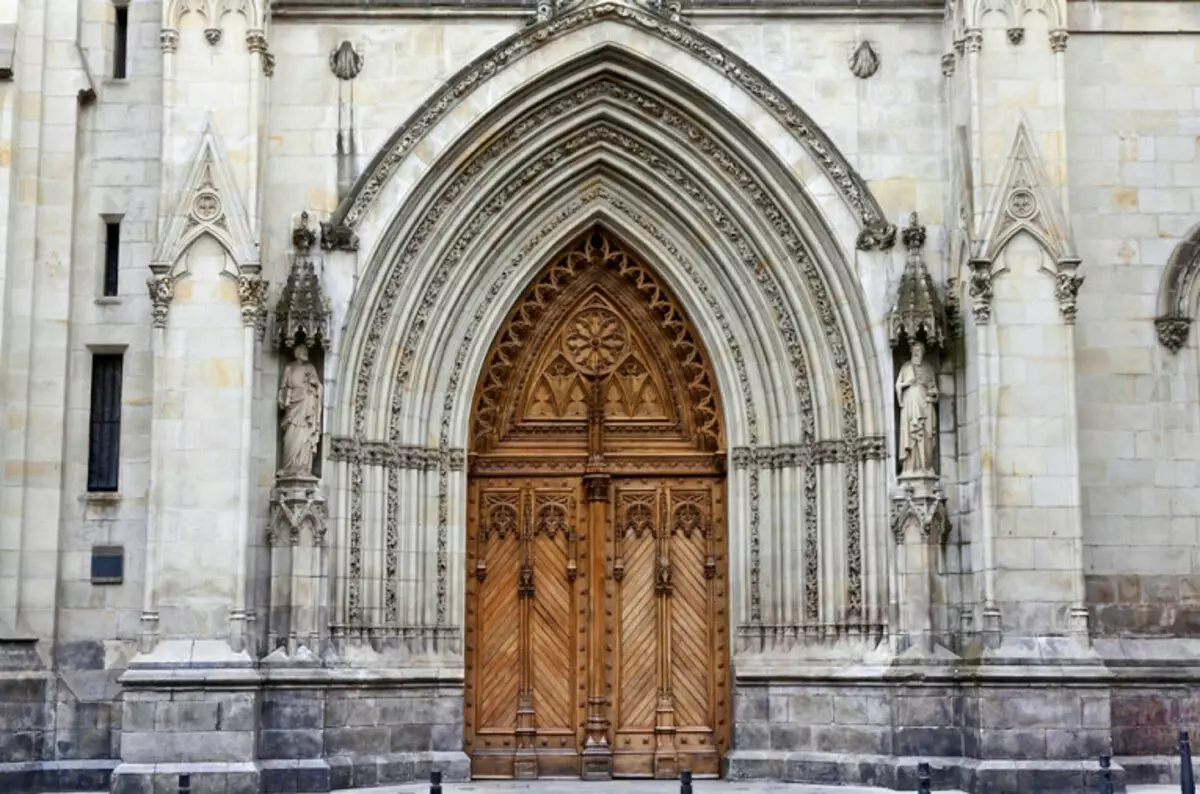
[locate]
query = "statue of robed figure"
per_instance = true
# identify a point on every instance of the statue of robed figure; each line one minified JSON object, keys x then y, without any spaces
{"x":917,"y":394}
{"x":300,"y":399}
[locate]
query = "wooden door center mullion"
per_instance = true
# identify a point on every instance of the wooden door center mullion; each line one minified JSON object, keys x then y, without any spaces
{"x":525,"y":757}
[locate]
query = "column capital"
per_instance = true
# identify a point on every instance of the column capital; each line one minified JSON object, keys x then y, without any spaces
{"x":1058,"y":40}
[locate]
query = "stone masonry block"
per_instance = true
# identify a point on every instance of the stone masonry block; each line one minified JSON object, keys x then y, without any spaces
{"x":811,"y":708}
{"x":175,"y":716}
{"x":289,"y":712}
{"x":412,"y":738}
{"x":751,"y":705}
{"x":357,"y":741}
{"x":862,"y":710}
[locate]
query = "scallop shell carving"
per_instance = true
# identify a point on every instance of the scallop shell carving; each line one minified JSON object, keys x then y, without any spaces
{"x":345,"y":61}
{"x":864,"y":61}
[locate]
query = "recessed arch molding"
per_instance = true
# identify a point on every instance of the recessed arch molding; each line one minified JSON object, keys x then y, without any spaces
{"x":876,"y":233}
{"x":750,"y":260}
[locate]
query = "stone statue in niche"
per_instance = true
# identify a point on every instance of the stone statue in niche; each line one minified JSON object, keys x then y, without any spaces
{"x":300,"y":398}
{"x":917,"y":393}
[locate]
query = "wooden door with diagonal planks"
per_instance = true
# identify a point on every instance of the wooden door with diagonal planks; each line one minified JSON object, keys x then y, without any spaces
{"x":667,"y":599}
{"x":524,"y":542}
{"x":597,"y":640}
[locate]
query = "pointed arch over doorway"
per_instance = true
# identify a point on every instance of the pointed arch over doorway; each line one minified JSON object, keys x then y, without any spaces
{"x":597,"y":636}
{"x":732,"y":232}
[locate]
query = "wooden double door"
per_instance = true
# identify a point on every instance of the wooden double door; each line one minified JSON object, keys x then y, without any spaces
{"x":596,"y":627}
{"x":597,"y":640}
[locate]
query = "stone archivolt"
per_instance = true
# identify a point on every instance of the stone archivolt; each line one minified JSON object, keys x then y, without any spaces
{"x":548,"y":140}
{"x":561,"y":19}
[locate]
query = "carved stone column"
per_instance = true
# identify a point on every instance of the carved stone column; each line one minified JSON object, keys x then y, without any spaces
{"x":252,"y":292}
{"x":980,"y":291}
{"x":161,"y":286}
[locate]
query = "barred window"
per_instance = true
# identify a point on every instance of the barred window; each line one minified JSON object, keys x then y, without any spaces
{"x":104,"y":442}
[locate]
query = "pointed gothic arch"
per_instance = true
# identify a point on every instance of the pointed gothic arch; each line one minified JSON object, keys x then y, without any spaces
{"x":732,"y":231}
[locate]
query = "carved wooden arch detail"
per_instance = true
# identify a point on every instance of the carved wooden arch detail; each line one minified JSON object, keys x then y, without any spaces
{"x":597,"y":315}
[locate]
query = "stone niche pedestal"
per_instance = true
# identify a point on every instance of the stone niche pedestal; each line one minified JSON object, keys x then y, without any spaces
{"x":296,"y":537}
{"x":920,"y":526}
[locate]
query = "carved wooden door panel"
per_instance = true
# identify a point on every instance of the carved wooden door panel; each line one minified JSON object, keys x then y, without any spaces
{"x":525,"y":647}
{"x":667,"y":601}
{"x":596,"y":626}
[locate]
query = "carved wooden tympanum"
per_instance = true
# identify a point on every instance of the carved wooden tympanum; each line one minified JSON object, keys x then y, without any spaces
{"x":596,"y":604}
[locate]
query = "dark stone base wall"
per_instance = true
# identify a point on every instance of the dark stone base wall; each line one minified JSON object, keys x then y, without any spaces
{"x":977,"y":737}
{"x":328,"y":739}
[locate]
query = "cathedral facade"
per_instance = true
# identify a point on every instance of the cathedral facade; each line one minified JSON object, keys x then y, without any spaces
{"x":598,"y":389}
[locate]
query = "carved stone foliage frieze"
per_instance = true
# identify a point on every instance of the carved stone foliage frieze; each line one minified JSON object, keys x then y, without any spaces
{"x":648,"y":17}
{"x":303,"y":312}
{"x":406,"y":457}
{"x":819,"y":453}
{"x":1177,"y":292}
{"x":671,"y":10}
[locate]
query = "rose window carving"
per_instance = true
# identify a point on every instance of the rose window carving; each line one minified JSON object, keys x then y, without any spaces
{"x":595,"y":340}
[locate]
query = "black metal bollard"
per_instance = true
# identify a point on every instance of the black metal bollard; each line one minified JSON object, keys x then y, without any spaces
{"x":685,"y":782}
{"x":435,"y":782}
{"x":1187,"y":781}
{"x":185,"y":784}
{"x":1105,"y":775}
{"x":923,"y":782}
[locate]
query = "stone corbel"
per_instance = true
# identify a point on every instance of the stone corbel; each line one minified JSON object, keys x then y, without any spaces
{"x":162,"y":292}
{"x":168,"y":40}
{"x":338,"y":237}
{"x":1016,"y":36}
{"x":980,"y":290}
{"x":1172,"y":331}
{"x":1067,"y":282}
{"x":876,"y":235}
{"x":1058,"y":40}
